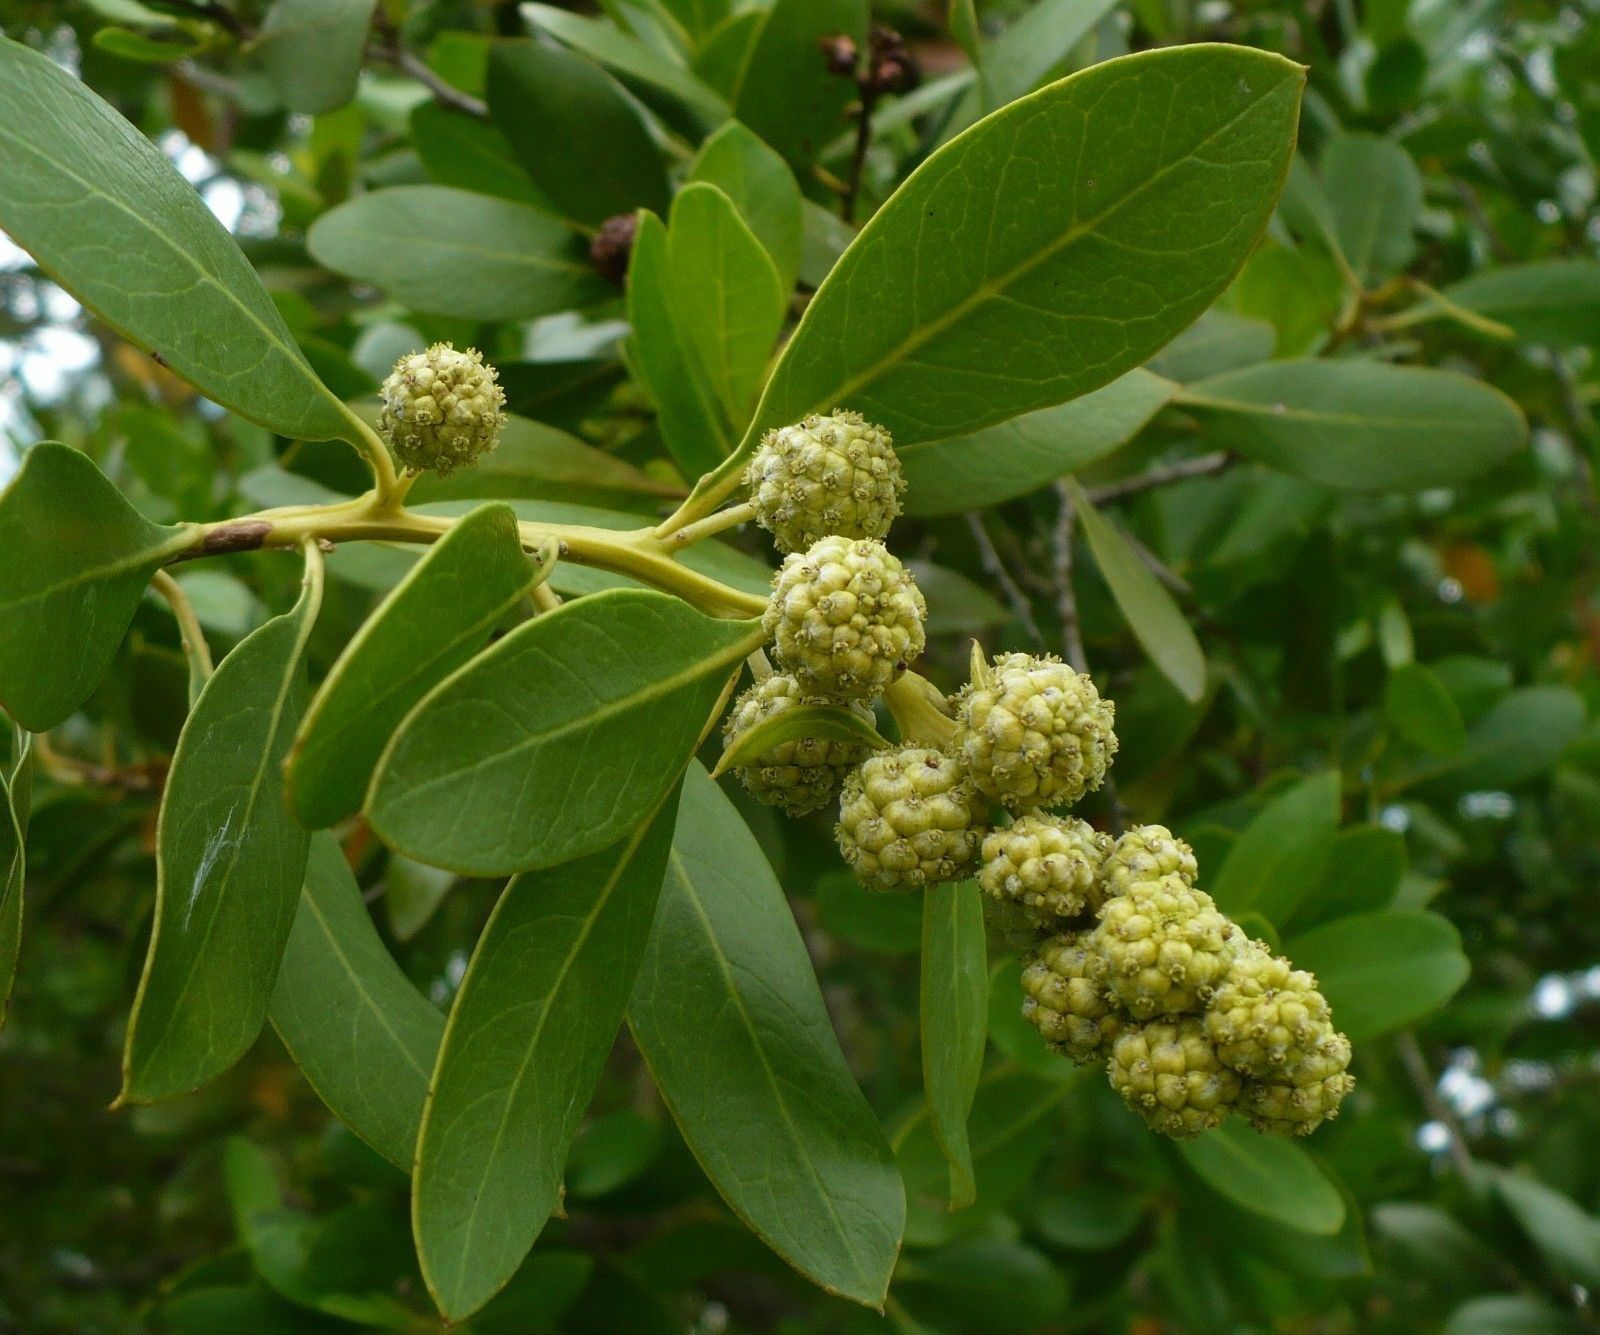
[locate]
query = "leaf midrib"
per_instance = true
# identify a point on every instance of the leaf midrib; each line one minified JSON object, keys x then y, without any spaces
{"x":145,"y":558}
{"x":1323,"y":417}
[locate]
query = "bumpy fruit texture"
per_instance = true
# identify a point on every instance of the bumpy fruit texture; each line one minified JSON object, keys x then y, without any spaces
{"x":441,"y":409}
{"x":1146,"y":853}
{"x":1064,"y":996}
{"x":834,"y":475}
{"x":1169,"y":1073}
{"x":1267,"y":1016}
{"x":1166,"y":947}
{"x":800,"y":775}
{"x":845,"y":617}
{"x":1046,"y":864}
{"x":908,"y":820}
{"x":1305,"y":1096}
{"x":1036,"y":734}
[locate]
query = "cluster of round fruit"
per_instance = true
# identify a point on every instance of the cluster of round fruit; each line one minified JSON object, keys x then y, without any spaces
{"x":1138,"y":969}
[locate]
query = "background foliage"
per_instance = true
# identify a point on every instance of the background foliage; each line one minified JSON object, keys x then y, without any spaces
{"x":1351,"y":633}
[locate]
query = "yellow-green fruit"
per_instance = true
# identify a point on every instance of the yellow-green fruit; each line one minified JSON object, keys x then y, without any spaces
{"x":1036,"y":733}
{"x":1165,"y":946}
{"x":1266,"y":1016}
{"x":845,"y":617}
{"x":1146,"y":853}
{"x":799,"y":775}
{"x":441,"y":409}
{"x":827,"y":475}
{"x":1047,"y":864}
{"x":1169,"y":1073}
{"x":1297,"y":1103}
{"x":908,"y":819}
{"x":1064,"y":997}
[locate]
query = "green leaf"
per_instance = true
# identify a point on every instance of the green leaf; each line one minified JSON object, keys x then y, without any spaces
{"x":469,"y":781}
{"x":312,"y":51}
{"x":1511,"y":1314}
{"x":230,"y":862}
{"x":1278,"y":858}
{"x":939,"y":320}
{"x":827,"y":723}
{"x":1218,"y":341}
{"x":15,"y":791}
{"x":1035,"y":45}
{"x":74,"y":561}
{"x":1374,"y":195}
{"x":762,"y":189}
{"x":1364,"y":870}
{"x":412,"y":893}
{"x":448,"y":252}
{"x":174,"y":45}
{"x":888,"y":923}
{"x":1015,"y":457}
{"x":955,"y":1021}
{"x":430,"y":624}
{"x":1380,"y":971}
{"x":782,"y":90}
{"x":525,"y":1044}
{"x":1267,"y":1176}
{"x":1155,"y":619}
{"x":727,"y":298}
{"x":660,"y":357}
{"x":81,"y":190}
{"x":1518,"y":740}
{"x":470,"y":154}
{"x":357,"y":1028}
{"x":973,"y":1280}
{"x":546,"y":100}
{"x":731,"y":1022}
{"x":1568,"y":1237}
{"x":1420,"y":709}
{"x":1548,"y":301}
{"x":1359,"y":424}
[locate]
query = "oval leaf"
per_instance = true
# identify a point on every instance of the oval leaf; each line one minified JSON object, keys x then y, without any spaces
{"x":527,"y":1039}
{"x":990,"y":254}
{"x":1548,"y":301}
{"x":729,"y":1017}
{"x":826,"y":723}
{"x":312,"y":51}
{"x":74,"y":561}
{"x":448,"y":252}
{"x":955,"y":1021}
{"x":81,"y":190}
{"x":1380,"y":971}
{"x":1374,"y":195}
{"x":230,"y":862}
{"x":432,"y":622}
{"x":1155,"y":619}
{"x":1364,"y":425}
{"x":1422,"y":711}
{"x":560,"y":739}
{"x":762,"y":189}
{"x":1267,"y":1176}
{"x":357,"y":1028}
{"x":1278,"y":858}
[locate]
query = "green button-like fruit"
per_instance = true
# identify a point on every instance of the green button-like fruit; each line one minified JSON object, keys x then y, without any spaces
{"x":845,"y":617}
{"x":1168,"y":1072}
{"x":800,"y":775}
{"x":825,"y":476}
{"x":1064,"y":996}
{"x":1046,"y":864}
{"x":441,"y":409}
{"x":1306,"y":1096}
{"x":1166,"y":947}
{"x":1266,"y":1016}
{"x":1146,"y":853}
{"x":908,"y":819}
{"x":1036,"y":734}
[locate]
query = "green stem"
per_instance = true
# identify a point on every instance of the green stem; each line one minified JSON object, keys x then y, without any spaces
{"x":919,"y":711}
{"x":196,"y":652}
{"x":711,"y":525}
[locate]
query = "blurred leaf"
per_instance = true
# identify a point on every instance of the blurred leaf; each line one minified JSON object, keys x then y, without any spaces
{"x":891,"y":924}
{"x":524,"y":1046}
{"x":537,"y":1296}
{"x":1267,"y":1176}
{"x":1156,"y":620}
{"x":1547,"y":301}
{"x":1421,"y":710}
{"x":312,"y":51}
{"x":974,"y":1280}
{"x":1568,"y":1237}
{"x":434,"y":621}
{"x":1365,"y":425}
{"x":1380,"y":971}
{"x":1090,"y":1218}
{"x":1510,"y":1314}
{"x":1219,"y":341}
{"x":1519,"y":739}
{"x":762,"y":189}
{"x":412,"y":893}
{"x":611,"y":1152}
{"x":357,"y":1028}
{"x":1364,"y":870}
{"x":74,"y":561}
{"x":729,"y":1017}
{"x":1034,"y":45}
{"x":469,"y":154}
{"x":448,"y":252}
{"x":460,"y":783}
{"x":1375,"y":194}
{"x":545,"y":100}
{"x":230,"y":862}
{"x":1278,"y":858}
{"x":955,"y":1021}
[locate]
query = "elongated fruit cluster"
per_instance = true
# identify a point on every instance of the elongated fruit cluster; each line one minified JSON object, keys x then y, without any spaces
{"x":1192,"y":1019}
{"x":835,"y":476}
{"x":441,"y":409}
